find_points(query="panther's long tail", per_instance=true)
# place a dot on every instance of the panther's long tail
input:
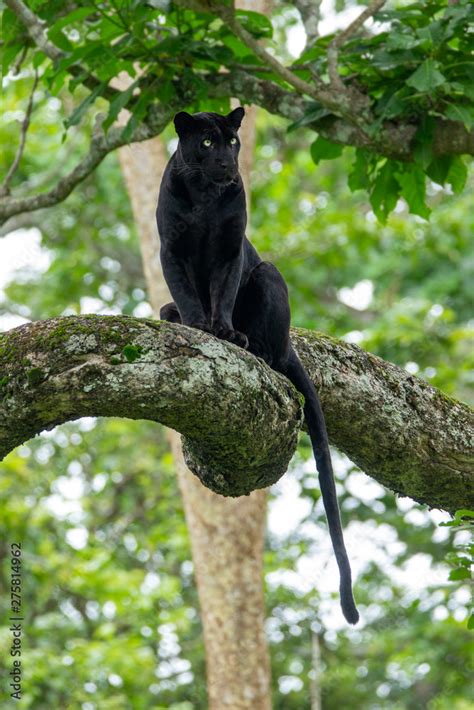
(313, 412)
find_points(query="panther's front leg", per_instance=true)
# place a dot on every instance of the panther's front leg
(224, 285)
(188, 303)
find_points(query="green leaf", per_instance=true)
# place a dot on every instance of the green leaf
(463, 513)
(138, 112)
(401, 41)
(38, 59)
(11, 25)
(457, 174)
(391, 104)
(60, 40)
(438, 169)
(238, 48)
(55, 32)
(8, 55)
(359, 176)
(431, 35)
(426, 78)
(314, 113)
(459, 573)
(258, 25)
(412, 183)
(422, 152)
(56, 80)
(459, 112)
(79, 14)
(470, 623)
(165, 91)
(323, 149)
(385, 191)
(117, 104)
(79, 112)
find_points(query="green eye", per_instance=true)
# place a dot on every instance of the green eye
(207, 143)
(233, 141)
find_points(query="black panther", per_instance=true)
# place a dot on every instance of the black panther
(220, 285)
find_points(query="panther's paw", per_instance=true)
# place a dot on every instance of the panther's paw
(232, 336)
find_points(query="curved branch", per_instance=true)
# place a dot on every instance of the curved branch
(239, 418)
(101, 145)
(397, 428)
(222, 399)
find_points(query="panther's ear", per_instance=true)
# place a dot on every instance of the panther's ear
(235, 117)
(184, 123)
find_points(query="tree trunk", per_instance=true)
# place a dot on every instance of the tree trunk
(226, 535)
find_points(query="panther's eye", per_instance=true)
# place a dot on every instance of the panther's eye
(233, 141)
(207, 143)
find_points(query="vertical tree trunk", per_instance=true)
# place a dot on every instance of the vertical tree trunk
(316, 672)
(226, 534)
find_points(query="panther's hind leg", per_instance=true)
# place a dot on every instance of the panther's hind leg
(170, 313)
(262, 312)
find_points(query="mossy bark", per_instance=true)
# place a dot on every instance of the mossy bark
(64, 368)
(397, 428)
(239, 418)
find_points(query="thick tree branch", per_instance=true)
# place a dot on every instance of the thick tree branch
(239, 418)
(60, 369)
(394, 140)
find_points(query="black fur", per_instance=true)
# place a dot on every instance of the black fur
(219, 283)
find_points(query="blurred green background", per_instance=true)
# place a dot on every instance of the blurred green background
(112, 618)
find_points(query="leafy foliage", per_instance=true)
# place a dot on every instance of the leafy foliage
(415, 68)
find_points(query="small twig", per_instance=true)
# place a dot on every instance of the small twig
(17, 66)
(5, 187)
(339, 39)
(300, 85)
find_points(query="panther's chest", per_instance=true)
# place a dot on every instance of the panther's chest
(209, 236)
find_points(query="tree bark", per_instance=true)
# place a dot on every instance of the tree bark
(240, 418)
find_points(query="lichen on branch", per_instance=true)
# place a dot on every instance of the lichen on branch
(240, 420)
